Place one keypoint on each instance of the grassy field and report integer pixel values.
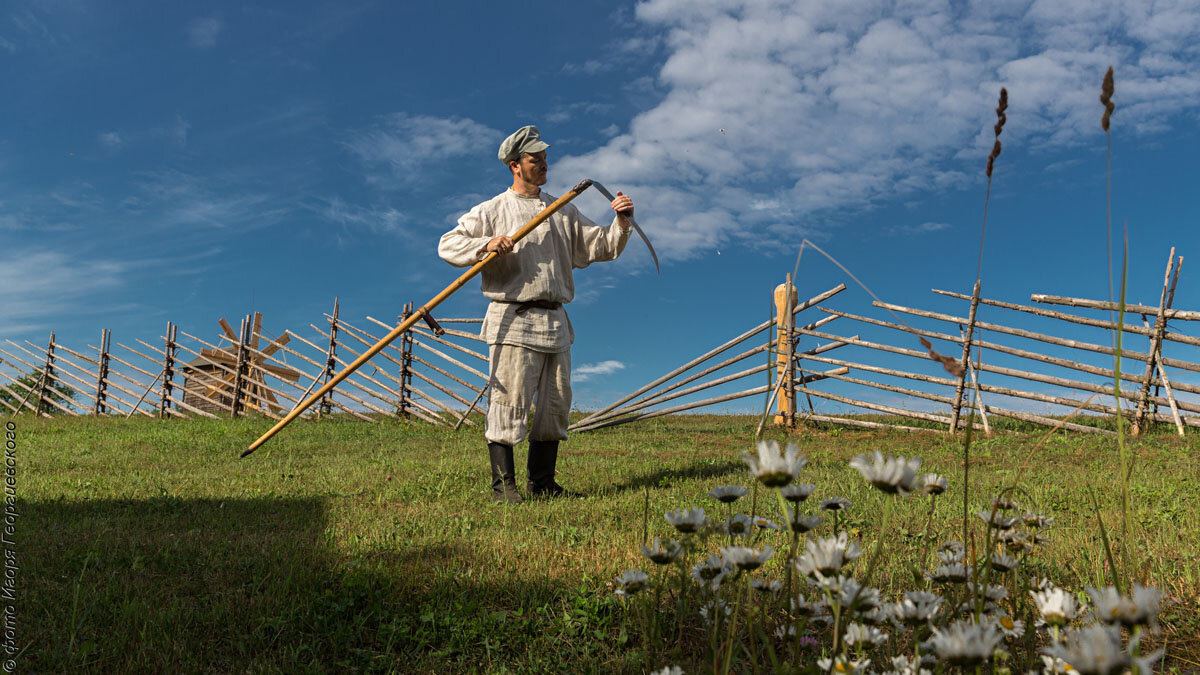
(148, 546)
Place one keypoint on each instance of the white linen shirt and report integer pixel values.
(538, 268)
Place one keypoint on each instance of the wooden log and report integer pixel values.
(332, 401)
(22, 402)
(364, 376)
(330, 358)
(471, 407)
(143, 396)
(57, 373)
(929, 417)
(687, 406)
(449, 331)
(785, 299)
(956, 405)
(979, 404)
(430, 411)
(437, 402)
(347, 329)
(480, 320)
(131, 349)
(168, 371)
(770, 400)
(1002, 412)
(1170, 399)
(1130, 308)
(1046, 379)
(473, 388)
(1041, 337)
(1034, 356)
(1006, 391)
(1160, 326)
(449, 359)
(33, 390)
(366, 390)
(865, 424)
(1074, 318)
(817, 299)
(102, 374)
(442, 341)
(406, 364)
(47, 371)
(419, 414)
(12, 408)
(239, 374)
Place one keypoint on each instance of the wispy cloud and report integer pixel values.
(110, 139)
(38, 284)
(922, 228)
(177, 199)
(586, 371)
(203, 32)
(402, 142)
(818, 108)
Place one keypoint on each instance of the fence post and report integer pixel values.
(1160, 327)
(102, 375)
(47, 388)
(164, 399)
(785, 302)
(326, 405)
(239, 372)
(406, 347)
(956, 411)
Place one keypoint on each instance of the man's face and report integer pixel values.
(532, 168)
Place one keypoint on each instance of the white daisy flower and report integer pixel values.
(801, 524)
(728, 494)
(954, 573)
(965, 643)
(746, 558)
(1012, 628)
(631, 582)
(1056, 666)
(856, 633)
(773, 467)
(689, 521)
(766, 585)
(1139, 610)
(892, 475)
(835, 504)
(933, 484)
(879, 616)
(737, 525)
(1092, 650)
(797, 492)
(827, 556)
(1002, 562)
(662, 555)
(843, 667)
(951, 552)
(1056, 606)
(669, 670)
(854, 594)
(997, 520)
(902, 665)
(917, 608)
(1015, 541)
(992, 592)
(711, 572)
(765, 523)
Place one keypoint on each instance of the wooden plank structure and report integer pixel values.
(440, 378)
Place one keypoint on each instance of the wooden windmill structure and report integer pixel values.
(234, 375)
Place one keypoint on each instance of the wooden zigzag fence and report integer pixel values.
(439, 375)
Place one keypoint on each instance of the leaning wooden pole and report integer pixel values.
(102, 375)
(1152, 355)
(956, 408)
(406, 358)
(47, 389)
(422, 313)
(330, 360)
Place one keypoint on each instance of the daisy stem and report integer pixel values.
(737, 608)
(928, 538)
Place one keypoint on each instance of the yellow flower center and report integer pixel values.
(1007, 623)
(840, 667)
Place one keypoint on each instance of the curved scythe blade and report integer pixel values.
(604, 191)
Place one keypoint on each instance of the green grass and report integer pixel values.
(147, 546)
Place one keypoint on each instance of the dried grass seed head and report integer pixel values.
(1106, 93)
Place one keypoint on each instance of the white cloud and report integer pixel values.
(405, 143)
(110, 139)
(180, 200)
(8, 46)
(203, 32)
(776, 113)
(922, 228)
(37, 285)
(585, 372)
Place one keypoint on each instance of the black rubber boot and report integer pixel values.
(504, 474)
(543, 457)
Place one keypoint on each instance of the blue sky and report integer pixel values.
(182, 162)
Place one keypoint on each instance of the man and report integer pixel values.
(526, 327)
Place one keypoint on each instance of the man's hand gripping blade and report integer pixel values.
(629, 216)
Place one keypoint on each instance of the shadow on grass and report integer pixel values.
(663, 478)
(231, 585)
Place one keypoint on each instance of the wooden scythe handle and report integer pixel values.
(416, 316)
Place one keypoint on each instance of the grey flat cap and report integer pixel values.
(525, 139)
